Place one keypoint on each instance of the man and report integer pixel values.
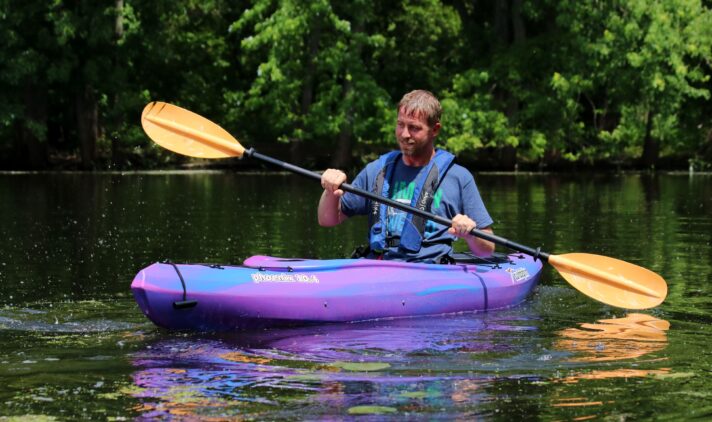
(417, 174)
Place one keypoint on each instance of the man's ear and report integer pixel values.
(436, 128)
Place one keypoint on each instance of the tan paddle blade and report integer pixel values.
(611, 281)
(187, 133)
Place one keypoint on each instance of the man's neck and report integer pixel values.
(419, 160)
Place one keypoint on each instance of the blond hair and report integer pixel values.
(421, 103)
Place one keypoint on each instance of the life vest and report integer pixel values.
(426, 184)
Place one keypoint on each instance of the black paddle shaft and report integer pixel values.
(536, 253)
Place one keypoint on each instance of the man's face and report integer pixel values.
(415, 137)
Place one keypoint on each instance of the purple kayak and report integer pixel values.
(268, 291)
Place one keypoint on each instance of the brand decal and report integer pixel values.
(518, 274)
(284, 278)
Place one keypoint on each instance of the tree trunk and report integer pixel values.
(33, 131)
(118, 35)
(509, 31)
(119, 20)
(518, 29)
(342, 158)
(500, 26)
(297, 145)
(87, 125)
(705, 152)
(651, 148)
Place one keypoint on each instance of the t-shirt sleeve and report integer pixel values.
(352, 204)
(474, 207)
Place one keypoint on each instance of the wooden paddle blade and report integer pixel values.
(611, 281)
(187, 133)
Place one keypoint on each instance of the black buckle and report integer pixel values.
(393, 242)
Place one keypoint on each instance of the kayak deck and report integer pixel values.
(270, 291)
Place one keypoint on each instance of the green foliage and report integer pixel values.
(471, 120)
(553, 80)
(311, 71)
(643, 61)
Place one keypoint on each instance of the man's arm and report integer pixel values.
(329, 211)
(481, 247)
(462, 225)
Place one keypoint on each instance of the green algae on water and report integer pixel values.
(371, 410)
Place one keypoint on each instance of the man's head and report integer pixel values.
(421, 103)
(417, 126)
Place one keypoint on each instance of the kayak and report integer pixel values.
(269, 291)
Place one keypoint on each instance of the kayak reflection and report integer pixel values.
(338, 367)
(630, 337)
(416, 365)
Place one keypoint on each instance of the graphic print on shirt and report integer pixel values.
(403, 193)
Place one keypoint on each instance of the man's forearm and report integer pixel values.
(481, 247)
(329, 211)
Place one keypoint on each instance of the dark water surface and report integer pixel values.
(75, 345)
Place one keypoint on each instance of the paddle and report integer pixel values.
(608, 280)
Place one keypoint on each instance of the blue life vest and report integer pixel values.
(426, 184)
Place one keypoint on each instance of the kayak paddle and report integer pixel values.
(608, 280)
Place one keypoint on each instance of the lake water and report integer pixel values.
(76, 346)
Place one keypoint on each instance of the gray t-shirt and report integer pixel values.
(457, 194)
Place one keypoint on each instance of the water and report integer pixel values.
(75, 346)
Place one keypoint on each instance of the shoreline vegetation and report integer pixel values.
(174, 162)
(546, 86)
(265, 171)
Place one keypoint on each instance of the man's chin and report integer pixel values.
(407, 150)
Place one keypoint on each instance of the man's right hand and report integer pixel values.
(331, 179)
(329, 212)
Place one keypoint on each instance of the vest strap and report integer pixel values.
(426, 184)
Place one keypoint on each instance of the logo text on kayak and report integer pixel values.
(518, 274)
(284, 278)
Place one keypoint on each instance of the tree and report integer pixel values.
(521, 82)
(327, 71)
(26, 72)
(310, 80)
(643, 60)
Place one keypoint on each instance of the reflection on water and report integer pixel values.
(365, 368)
(378, 367)
(76, 347)
(402, 365)
(612, 340)
(616, 373)
(629, 337)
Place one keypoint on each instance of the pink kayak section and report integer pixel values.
(269, 291)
